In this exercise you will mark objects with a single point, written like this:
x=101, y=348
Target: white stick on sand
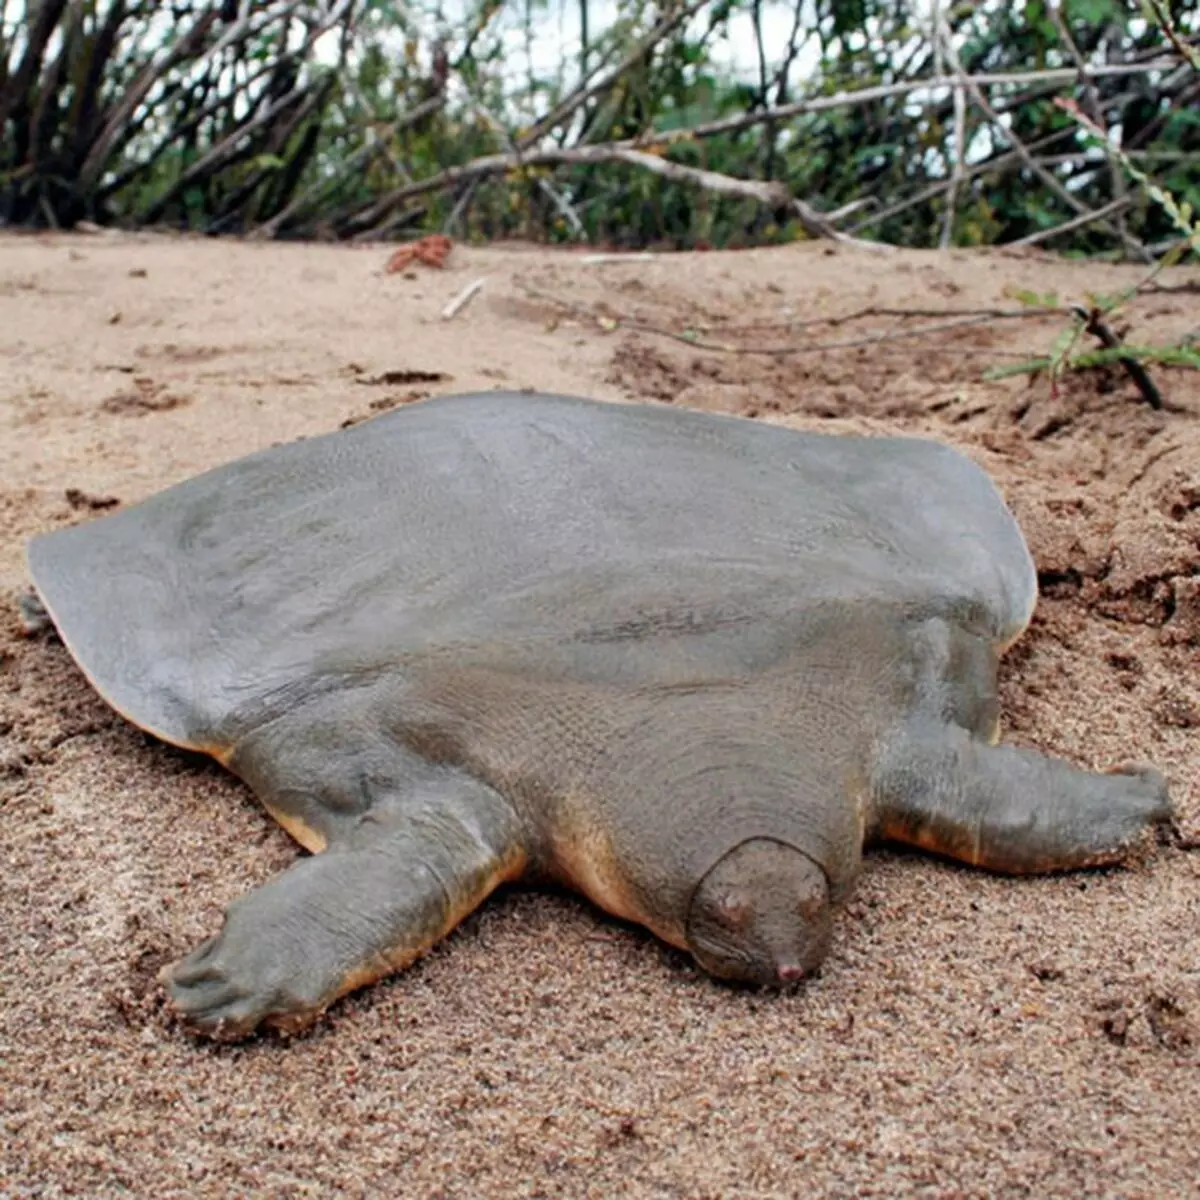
x=462, y=299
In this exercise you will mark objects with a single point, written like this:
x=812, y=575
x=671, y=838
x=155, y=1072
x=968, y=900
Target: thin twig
x=1112, y=208
x=857, y=96
x=1168, y=27
x=1002, y=162
x=982, y=103
x=358, y=160
x=941, y=34
x=1092, y=105
x=874, y=339
x=603, y=80
x=560, y=202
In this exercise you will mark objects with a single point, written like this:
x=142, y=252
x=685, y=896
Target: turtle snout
x=761, y=915
x=790, y=972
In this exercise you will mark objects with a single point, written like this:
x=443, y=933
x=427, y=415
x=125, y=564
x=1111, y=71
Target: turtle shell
x=505, y=518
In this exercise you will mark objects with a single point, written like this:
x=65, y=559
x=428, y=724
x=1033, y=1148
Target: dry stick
x=850, y=99
x=786, y=351
x=768, y=192
x=1091, y=100
x=1112, y=208
x=942, y=33
x=847, y=210
x=1168, y=27
x=224, y=149
x=880, y=310
x=457, y=213
x=462, y=299
x=1001, y=163
x=603, y=260
x=374, y=213
x=1101, y=330
x=1045, y=176
x=268, y=229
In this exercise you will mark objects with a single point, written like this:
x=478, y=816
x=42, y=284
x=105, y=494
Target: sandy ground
x=970, y=1035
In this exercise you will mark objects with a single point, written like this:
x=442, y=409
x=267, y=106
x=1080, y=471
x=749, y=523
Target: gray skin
x=687, y=665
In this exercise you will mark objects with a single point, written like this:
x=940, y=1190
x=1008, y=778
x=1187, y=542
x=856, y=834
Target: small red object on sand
x=432, y=251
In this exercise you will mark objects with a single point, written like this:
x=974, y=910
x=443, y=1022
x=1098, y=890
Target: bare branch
x=159, y=64
x=42, y=30
x=1094, y=109
x=1163, y=17
x=850, y=99
x=225, y=149
x=1112, y=208
x=981, y=102
x=604, y=80
x=355, y=163
x=773, y=194
x=1108, y=338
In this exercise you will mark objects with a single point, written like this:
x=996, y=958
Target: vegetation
x=916, y=123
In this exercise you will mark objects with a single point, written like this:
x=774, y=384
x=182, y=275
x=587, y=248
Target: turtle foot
x=243, y=978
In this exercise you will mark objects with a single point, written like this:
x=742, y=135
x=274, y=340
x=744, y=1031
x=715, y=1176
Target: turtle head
x=761, y=915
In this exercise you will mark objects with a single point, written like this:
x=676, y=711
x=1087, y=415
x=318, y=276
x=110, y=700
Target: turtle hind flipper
x=1010, y=809
x=375, y=901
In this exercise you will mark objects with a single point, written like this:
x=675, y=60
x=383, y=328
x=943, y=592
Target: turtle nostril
x=789, y=972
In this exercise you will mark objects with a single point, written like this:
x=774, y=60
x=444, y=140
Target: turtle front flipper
x=1006, y=808
x=382, y=894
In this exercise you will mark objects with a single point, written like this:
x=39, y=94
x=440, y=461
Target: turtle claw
x=216, y=995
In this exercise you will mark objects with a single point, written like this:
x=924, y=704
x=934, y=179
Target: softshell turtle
x=685, y=664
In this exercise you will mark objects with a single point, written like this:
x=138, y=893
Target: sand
x=969, y=1035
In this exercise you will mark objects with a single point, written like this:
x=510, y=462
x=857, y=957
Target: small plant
x=1092, y=318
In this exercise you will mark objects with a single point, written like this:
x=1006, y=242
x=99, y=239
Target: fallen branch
x=369, y=218
x=771, y=193
x=1100, y=329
